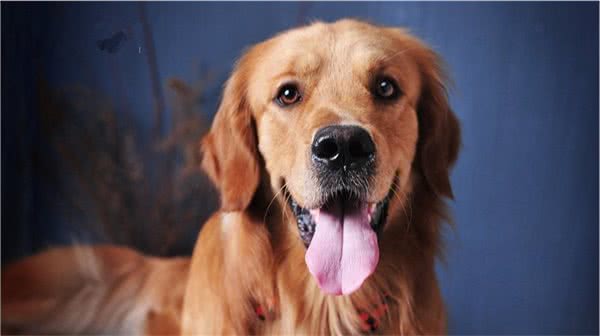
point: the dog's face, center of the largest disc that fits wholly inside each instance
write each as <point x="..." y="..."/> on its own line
<point x="344" y="117"/>
<point x="336" y="113"/>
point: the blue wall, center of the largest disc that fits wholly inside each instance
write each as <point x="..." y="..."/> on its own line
<point x="523" y="257"/>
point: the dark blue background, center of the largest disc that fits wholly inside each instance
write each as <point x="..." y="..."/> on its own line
<point x="523" y="257"/>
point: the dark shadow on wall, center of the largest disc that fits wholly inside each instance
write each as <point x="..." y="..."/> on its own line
<point x="77" y="168"/>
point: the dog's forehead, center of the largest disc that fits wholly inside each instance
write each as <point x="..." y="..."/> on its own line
<point x="308" y="48"/>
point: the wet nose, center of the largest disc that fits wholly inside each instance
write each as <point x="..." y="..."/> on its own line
<point x="343" y="147"/>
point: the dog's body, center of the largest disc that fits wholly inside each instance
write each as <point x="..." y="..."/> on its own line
<point x="331" y="149"/>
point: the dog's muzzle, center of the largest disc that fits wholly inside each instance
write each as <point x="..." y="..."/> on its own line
<point x="341" y="231"/>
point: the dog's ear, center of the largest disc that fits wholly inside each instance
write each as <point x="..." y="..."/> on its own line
<point x="229" y="149"/>
<point x="439" y="130"/>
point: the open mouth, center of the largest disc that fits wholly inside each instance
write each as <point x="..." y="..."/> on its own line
<point x="305" y="220"/>
<point x="341" y="240"/>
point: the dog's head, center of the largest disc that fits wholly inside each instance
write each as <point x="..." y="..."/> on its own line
<point x="343" y="118"/>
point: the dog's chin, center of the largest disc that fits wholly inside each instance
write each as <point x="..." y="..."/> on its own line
<point x="341" y="238"/>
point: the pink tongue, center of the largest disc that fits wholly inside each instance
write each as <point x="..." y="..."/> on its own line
<point x="343" y="251"/>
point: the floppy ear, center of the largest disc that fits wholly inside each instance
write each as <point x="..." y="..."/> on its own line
<point x="229" y="149"/>
<point x="439" y="130"/>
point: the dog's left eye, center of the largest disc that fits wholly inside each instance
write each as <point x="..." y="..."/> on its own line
<point x="288" y="95"/>
<point x="385" y="88"/>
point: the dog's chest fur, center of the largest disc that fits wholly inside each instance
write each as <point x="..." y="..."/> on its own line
<point x="301" y="307"/>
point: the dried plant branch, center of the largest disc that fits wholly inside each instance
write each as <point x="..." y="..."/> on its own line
<point x="107" y="168"/>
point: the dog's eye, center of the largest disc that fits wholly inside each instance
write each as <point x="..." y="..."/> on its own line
<point x="288" y="95"/>
<point x="385" y="88"/>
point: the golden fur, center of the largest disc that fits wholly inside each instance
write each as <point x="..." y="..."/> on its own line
<point x="249" y="253"/>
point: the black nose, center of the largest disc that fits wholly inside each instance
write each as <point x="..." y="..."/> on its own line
<point x="343" y="147"/>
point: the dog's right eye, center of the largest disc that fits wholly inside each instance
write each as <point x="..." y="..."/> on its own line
<point x="288" y="95"/>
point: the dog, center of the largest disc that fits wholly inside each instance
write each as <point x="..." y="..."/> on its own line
<point x="331" y="151"/>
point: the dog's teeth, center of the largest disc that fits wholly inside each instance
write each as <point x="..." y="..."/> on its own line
<point x="372" y="208"/>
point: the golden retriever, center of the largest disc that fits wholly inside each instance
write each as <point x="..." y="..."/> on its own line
<point x="331" y="151"/>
